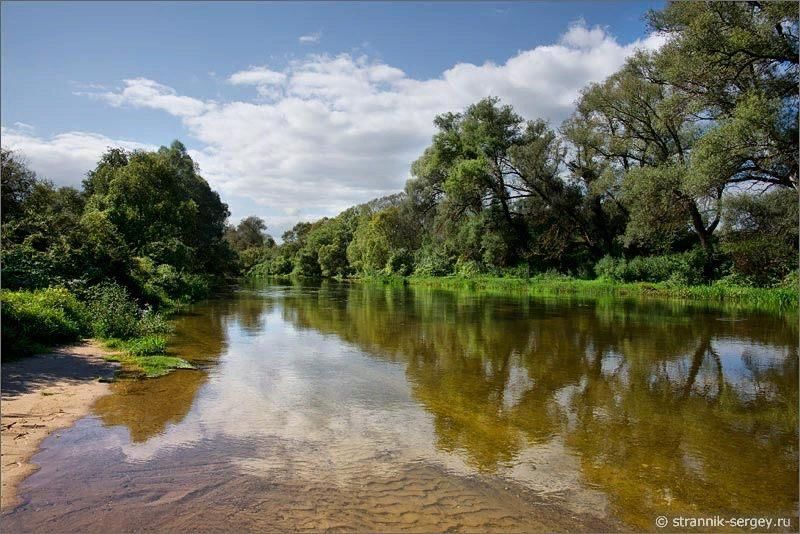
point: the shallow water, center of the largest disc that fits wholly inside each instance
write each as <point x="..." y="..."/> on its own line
<point x="389" y="409"/>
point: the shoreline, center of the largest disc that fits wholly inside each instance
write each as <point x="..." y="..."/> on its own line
<point x="42" y="394"/>
<point x="782" y="300"/>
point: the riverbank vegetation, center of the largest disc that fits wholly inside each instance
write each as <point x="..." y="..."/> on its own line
<point x="676" y="176"/>
<point x="678" y="171"/>
<point x="143" y="236"/>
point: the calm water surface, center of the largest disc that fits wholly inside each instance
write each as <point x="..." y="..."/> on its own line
<point x="392" y="409"/>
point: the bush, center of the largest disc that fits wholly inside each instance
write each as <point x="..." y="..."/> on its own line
<point x="113" y="312"/>
<point x="467" y="268"/>
<point x="400" y="262"/>
<point x="281" y="265"/>
<point x="679" y="269"/>
<point x="761" y="260"/>
<point x="307" y="264"/>
<point x="152" y="322"/>
<point x="432" y="262"/>
<point x="522" y="270"/>
<point x="41" y="317"/>
<point x="26" y="268"/>
<point x="164" y="284"/>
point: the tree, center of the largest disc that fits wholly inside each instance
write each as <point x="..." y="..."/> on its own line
<point x="645" y="132"/>
<point x="17" y="183"/>
<point x="738" y="63"/>
<point x="489" y="158"/>
<point x="162" y="208"/>
<point x="249" y="233"/>
<point x="382" y="236"/>
<point x="761" y="235"/>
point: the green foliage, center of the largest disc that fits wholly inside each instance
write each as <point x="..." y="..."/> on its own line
<point x="145" y="220"/>
<point x="400" y="262"/>
<point x="554" y="285"/>
<point x="152" y="322"/>
<point x="306" y="264"/>
<point x="149" y="366"/>
<point x="248" y="234"/>
<point x="280" y="265"/>
<point x="17" y="184"/>
<point x="41" y="317"/>
<point x="761" y="236"/>
<point x="113" y="313"/>
<point x="147" y="345"/>
<point x="467" y="268"/>
<point x="678" y="269"/>
<point x="431" y="261"/>
<point x="381" y="241"/>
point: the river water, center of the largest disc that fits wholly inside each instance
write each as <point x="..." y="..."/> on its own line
<point x="358" y="407"/>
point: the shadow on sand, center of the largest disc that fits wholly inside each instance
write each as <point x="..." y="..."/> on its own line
<point x="81" y="362"/>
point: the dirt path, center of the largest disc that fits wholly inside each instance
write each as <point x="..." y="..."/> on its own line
<point x="40" y="395"/>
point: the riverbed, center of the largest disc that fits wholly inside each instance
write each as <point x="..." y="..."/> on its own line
<point x="360" y="407"/>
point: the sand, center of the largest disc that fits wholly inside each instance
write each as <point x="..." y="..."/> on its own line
<point x="41" y="395"/>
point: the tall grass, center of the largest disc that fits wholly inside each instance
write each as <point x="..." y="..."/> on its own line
<point x="778" y="299"/>
<point x="34" y="320"/>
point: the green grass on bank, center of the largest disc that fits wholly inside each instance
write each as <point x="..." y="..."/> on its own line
<point x="783" y="298"/>
<point x="145" y="355"/>
<point x="33" y="321"/>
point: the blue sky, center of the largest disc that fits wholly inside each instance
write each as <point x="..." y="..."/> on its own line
<point x="331" y="103"/>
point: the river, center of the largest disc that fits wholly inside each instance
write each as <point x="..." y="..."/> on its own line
<point x="382" y="408"/>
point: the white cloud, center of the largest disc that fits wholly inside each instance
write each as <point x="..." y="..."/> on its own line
<point x="24" y="126"/>
<point x="141" y="92"/>
<point x="338" y="130"/>
<point x="64" y="158"/>
<point x="268" y="82"/>
<point x="257" y="76"/>
<point x="311" y="38"/>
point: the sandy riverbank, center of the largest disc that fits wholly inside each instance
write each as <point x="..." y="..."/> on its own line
<point x="41" y="395"/>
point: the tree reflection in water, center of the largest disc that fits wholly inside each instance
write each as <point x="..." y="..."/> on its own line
<point x="669" y="408"/>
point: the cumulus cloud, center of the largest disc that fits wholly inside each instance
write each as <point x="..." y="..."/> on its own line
<point x="63" y="158"/>
<point x="329" y="131"/>
<point x="266" y="81"/>
<point x="311" y="38"/>
<point x="141" y="92"/>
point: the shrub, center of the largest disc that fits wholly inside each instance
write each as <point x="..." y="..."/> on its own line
<point x="25" y="267"/>
<point x="166" y="285"/>
<point x="467" y="268"/>
<point x="400" y="262"/>
<point x="40" y="317"/>
<point x="679" y="269"/>
<point x="113" y="312"/>
<point x="307" y="264"/>
<point x="522" y="270"/>
<point x="761" y="260"/>
<point x="280" y="265"/>
<point x="152" y="322"/>
<point x="432" y="262"/>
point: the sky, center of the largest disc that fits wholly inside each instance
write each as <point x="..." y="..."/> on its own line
<point x="293" y="111"/>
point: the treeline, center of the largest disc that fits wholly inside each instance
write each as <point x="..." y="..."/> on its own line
<point x="680" y="167"/>
<point x="145" y="232"/>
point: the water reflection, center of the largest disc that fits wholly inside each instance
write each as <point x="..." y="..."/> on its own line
<point x="669" y="409"/>
<point x="384" y="395"/>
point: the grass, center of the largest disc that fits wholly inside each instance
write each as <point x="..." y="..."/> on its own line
<point x="145" y="356"/>
<point x="782" y="299"/>
<point x="33" y="320"/>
